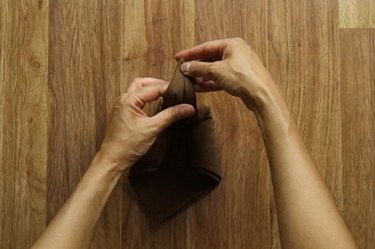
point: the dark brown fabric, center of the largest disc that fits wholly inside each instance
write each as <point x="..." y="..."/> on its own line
<point x="182" y="165"/>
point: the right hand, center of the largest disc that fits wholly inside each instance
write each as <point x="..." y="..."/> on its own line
<point x="232" y="66"/>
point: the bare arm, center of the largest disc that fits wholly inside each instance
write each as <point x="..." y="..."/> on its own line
<point x="307" y="214"/>
<point x="74" y="225"/>
<point x="130" y="134"/>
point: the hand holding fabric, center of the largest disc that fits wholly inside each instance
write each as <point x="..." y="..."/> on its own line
<point x="130" y="132"/>
<point x="183" y="163"/>
<point x="230" y="65"/>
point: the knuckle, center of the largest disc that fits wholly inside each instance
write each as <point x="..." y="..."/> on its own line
<point x="125" y="99"/>
<point x="130" y="99"/>
<point x="134" y="84"/>
<point x="193" y="67"/>
<point x="205" y="47"/>
<point x="212" y="70"/>
<point x="206" y="43"/>
<point x="173" y="115"/>
<point x="238" y="40"/>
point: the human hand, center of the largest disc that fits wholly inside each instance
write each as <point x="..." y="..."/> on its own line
<point x="230" y="65"/>
<point x="130" y="132"/>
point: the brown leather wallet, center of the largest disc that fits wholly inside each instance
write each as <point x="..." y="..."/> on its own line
<point x="183" y="164"/>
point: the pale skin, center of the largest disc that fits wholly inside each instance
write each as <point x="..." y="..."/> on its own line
<point x="307" y="214"/>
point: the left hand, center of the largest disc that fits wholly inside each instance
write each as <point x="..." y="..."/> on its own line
<point x="130" y="132"/>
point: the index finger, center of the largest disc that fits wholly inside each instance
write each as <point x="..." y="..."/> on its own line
<point x="141" y="82"/>
<point x="206" y="50"/>
<point x="147" y="94"/>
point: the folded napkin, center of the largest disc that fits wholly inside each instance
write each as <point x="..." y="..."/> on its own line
<point x="182" y="165"/>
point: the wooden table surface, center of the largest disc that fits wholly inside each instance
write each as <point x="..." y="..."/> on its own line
<point x="63" y="62"/>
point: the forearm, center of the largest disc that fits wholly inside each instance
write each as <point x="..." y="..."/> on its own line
<point x="74" y="225"/>
<point x="307" y="214"/>
<point x="130" y="134"/>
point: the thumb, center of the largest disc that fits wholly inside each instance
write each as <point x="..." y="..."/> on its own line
<point x="206" y="70"/>
<point x="172" y="114"/>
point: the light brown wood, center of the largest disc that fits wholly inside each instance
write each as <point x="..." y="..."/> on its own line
<point x="84" y="80"/>
<point x="357" y="13"/>
<point x="63" y="63"/>
<point x="357" y="74"/>
<point x="23" y="121"/>
<point x="303" y="59"/>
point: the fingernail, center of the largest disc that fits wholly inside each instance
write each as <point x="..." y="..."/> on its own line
<point x="185" y="67"/>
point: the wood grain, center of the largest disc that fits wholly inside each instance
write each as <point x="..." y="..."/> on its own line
<point x="357" y="75"/>
<point x="23" y="121"/>
<point x="84" y="80"/>
<point x="63" y="63"/>
<point x="357" y="13"/>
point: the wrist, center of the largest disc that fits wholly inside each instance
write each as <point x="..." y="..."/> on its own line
<point x="268" y="105"/>
<point x="105" y="159"/>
